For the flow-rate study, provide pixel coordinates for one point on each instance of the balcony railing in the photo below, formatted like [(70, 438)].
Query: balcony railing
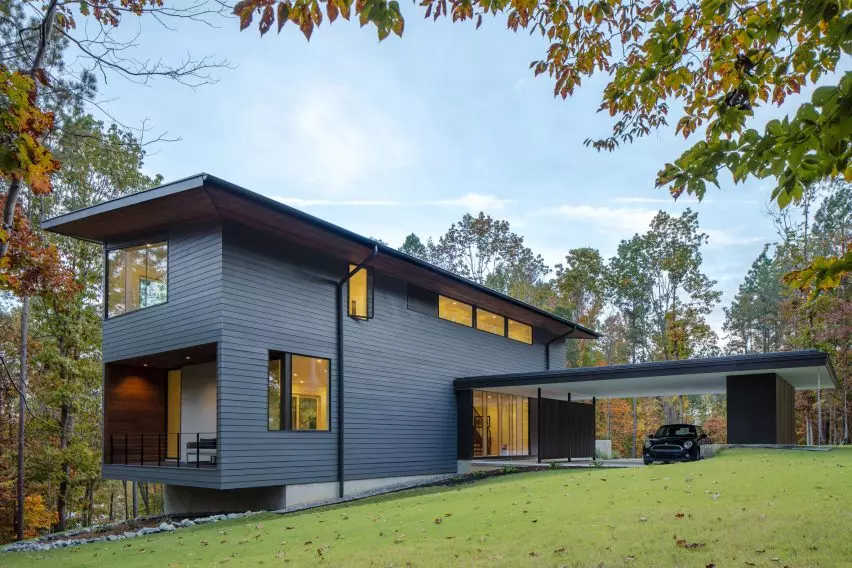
[(170, 449)]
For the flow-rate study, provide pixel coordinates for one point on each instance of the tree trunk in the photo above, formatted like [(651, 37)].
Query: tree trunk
[(66, 421), (111, 502), (22, 413), (635, 428), (135, 488), (143, 491), (126, 511)]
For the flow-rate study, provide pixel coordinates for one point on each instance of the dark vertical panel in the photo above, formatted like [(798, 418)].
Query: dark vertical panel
[(582, 430), (752, 409), (786, 420), (464, 411)]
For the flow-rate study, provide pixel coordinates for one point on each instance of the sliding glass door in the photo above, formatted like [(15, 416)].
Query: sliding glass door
[(500, 424)]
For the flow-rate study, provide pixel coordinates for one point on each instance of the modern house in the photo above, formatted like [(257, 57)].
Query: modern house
[(256, 357)]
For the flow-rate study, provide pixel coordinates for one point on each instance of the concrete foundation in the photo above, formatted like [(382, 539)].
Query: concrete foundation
[(196, 500), (181, 500)]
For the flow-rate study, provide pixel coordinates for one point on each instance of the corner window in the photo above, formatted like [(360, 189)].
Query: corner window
[(490, 322), (298, 392), (136, 277), (360, 293), (520, 332), (455, 311)]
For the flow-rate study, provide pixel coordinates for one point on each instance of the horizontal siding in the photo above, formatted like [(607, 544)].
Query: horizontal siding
[(400, 366), (208, 478), (193, 313)]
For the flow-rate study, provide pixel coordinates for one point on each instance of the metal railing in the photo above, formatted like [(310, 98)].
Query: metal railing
[(171, 449)]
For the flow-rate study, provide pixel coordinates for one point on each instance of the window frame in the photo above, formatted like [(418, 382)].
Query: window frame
[(370, 293), (164, 239), (472, 312), (489, 312), (532, 329), (285, 408)]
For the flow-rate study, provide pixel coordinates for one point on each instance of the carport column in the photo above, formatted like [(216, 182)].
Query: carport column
[(538, 420), (594, 427), (570, 433)]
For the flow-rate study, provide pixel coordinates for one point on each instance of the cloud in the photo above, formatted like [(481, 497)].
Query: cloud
[(608, 218), (721, 237), (301, 202), (468, 201), (314, 136), (474, 201), (661, 200)]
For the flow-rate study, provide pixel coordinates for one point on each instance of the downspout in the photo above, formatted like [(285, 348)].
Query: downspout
[(340, 437), (554, 340)]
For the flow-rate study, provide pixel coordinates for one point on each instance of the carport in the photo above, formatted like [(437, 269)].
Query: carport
[(759, 389)]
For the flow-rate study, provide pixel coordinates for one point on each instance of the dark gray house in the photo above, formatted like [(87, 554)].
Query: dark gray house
[(256, 357)]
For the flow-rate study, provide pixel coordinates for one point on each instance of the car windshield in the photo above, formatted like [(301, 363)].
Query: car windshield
[(676, 430)]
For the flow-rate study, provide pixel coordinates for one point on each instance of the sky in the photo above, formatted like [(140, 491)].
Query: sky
[(409, 134)]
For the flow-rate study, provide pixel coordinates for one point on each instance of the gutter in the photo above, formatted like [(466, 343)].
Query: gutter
[(340, 434)]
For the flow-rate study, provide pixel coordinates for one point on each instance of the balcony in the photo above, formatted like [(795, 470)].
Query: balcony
[(162, 449), (160, 410)]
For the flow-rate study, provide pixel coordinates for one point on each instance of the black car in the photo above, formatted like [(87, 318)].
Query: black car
[(675, 442)]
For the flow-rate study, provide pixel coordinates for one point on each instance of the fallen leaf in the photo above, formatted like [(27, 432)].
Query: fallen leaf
[(307, 542), (643, 519), (534, 554), (439, 520), (678, 515), (559, 550)]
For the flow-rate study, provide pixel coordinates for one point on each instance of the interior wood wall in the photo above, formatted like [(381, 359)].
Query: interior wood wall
[(134, 414)]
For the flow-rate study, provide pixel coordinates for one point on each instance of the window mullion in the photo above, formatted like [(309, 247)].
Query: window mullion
[(286, 392)]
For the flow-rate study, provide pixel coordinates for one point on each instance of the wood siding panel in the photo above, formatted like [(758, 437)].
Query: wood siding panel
[(134, 407)]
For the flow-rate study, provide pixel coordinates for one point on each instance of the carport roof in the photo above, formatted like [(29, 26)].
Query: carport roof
[(804, 370)]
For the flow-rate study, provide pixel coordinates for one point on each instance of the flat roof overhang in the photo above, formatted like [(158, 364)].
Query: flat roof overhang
[(804, 370), (206, 198)]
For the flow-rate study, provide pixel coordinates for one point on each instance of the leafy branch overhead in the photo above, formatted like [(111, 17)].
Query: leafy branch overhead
[(714, 60)]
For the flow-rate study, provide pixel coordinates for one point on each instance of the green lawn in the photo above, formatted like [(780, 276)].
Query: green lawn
[(742, 508)]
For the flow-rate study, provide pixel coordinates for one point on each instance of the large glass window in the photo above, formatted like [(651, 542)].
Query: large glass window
[(520, 332), (305, 382), (309, 399), (490, 322), (455, 311), (360, 293), (500, 424), (136, 277)]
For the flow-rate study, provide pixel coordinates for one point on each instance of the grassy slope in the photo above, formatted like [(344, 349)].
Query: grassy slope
[(774, 508)]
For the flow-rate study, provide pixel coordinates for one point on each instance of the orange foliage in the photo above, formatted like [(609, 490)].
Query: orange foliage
[(37, 517), (716, 428), (32, 267), (23, 157)]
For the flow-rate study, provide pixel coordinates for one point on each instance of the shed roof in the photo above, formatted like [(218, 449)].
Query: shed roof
[(804, 370), (205, 198)]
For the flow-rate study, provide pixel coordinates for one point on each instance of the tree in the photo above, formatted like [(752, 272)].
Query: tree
[(99, 163), (579, 288), (414, 246), (715, 61), (30, 86), (488, 252), (754, 320)]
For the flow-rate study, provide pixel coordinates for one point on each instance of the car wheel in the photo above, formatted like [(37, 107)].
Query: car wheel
[(696, 454), (647, 461)]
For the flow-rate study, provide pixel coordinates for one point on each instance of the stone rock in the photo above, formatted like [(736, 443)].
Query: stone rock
[(164, 526)]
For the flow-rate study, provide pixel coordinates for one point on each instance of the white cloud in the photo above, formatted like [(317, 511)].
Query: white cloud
[(608, 219), (661, 200), (302, 202), (474, 201), (469, 201), (719, 237)]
